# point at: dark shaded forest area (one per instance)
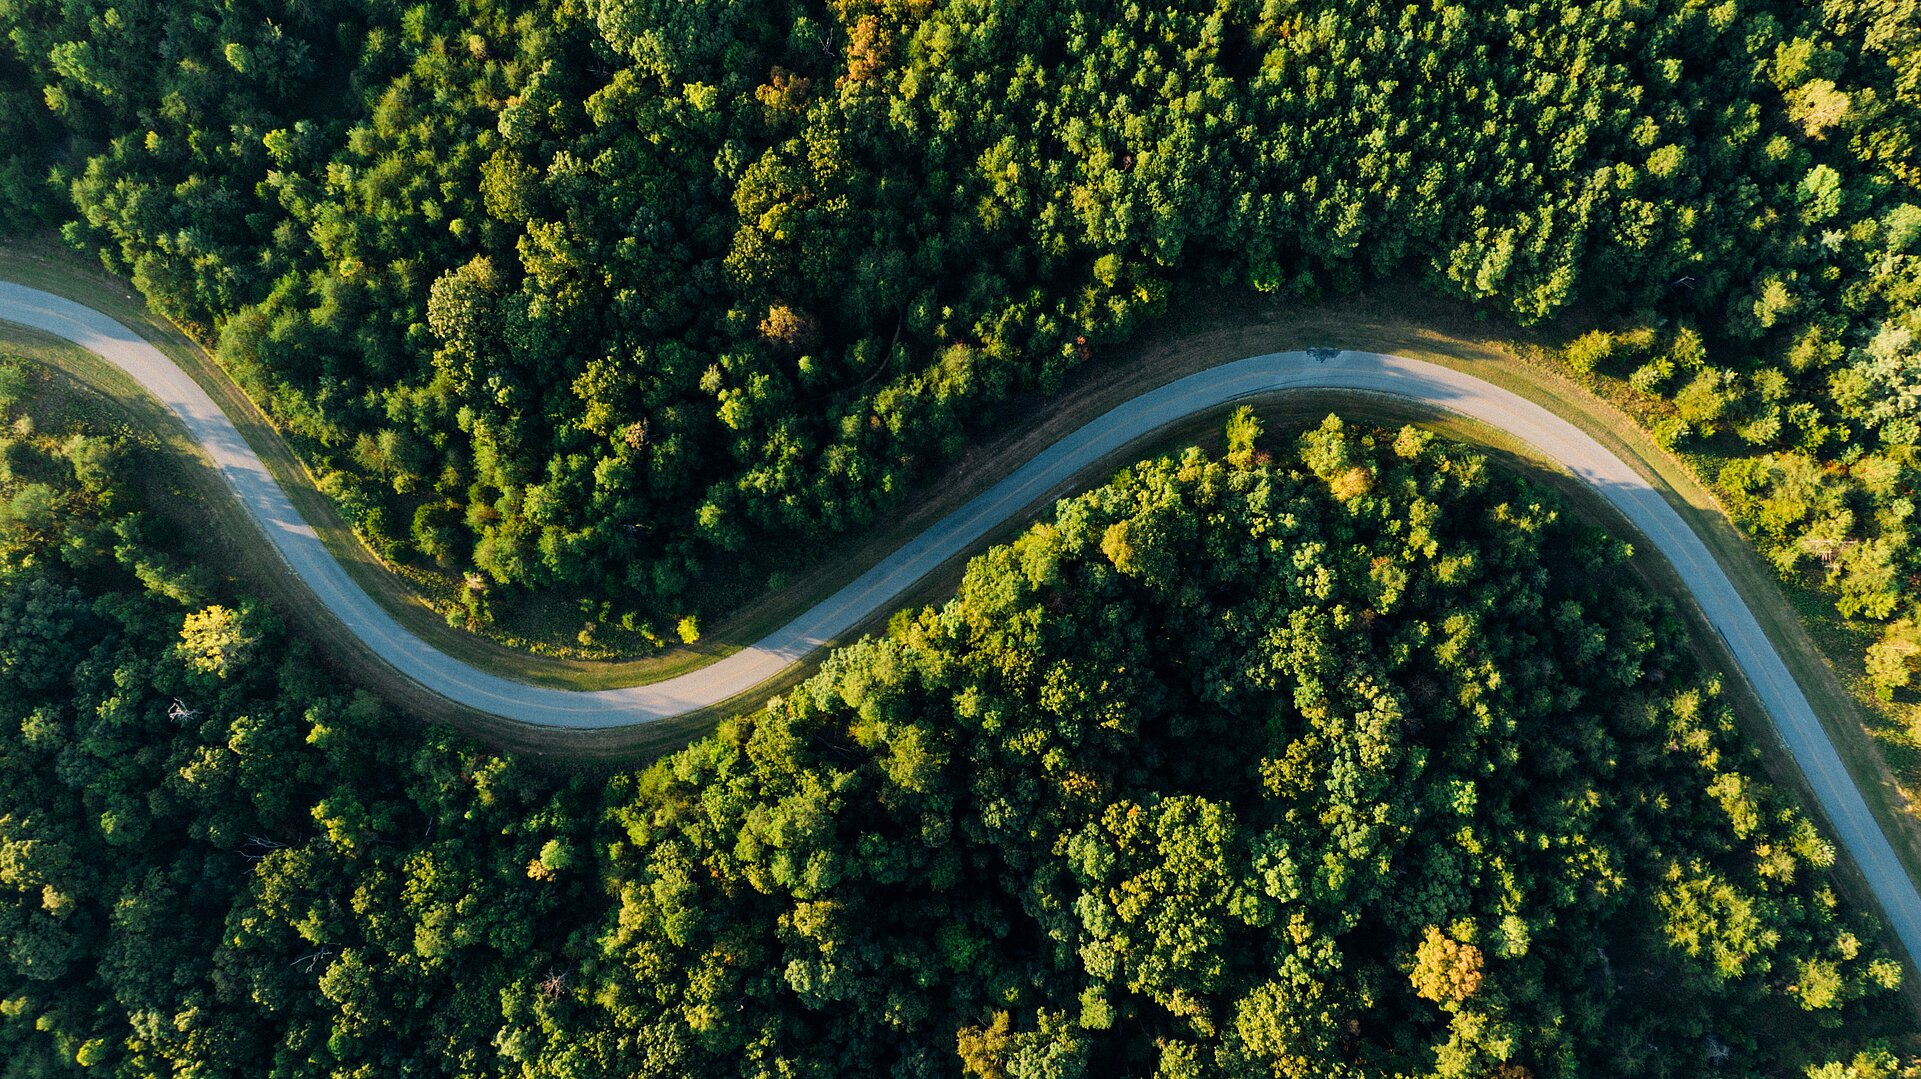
(1427, 792)
(634, 305)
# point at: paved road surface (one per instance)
(1428, 383)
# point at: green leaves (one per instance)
(879, 222)
(1266, 848)
(1185, 780)
(1155, 898)
(1021, 835)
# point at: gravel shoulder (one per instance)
(1709, 587)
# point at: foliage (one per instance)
(215, 639)
(635, 302)
(1418, 798)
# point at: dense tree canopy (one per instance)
(602, 297)
(1415, 796)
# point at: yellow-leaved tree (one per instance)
(214, 640)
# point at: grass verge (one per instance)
(1193, 336)
(1187, 341)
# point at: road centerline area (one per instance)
(300, 547)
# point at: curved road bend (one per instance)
(1327, 369)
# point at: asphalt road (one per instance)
(1255, 376)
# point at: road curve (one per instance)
(1321, 369)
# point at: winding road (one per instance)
(1319, 369)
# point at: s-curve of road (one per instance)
(1318, 369)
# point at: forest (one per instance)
(629, 308)
(1419, 800)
